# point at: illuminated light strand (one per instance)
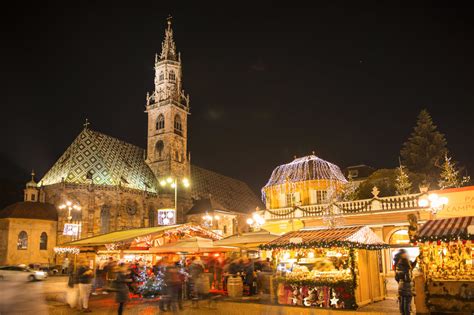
(66, 250)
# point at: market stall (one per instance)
(446, 261)
(329, 268)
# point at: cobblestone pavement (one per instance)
(104, 304)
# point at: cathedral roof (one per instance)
(30, 210)
(104, 160)
(229, 193)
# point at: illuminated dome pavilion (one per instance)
(304, 181)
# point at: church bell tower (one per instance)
(168, 109)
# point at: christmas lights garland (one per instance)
(461, 237)
(324, 244)
(344, 210)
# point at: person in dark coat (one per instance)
(403, 276)
(121, 287)
(248, 268)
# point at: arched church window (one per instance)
(172, 76)
(22, 240)
(159, 147)
(160, 122)
(178, 127)
(104, 219)
(162, 76)
(44, 241)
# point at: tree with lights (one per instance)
(349, 191)
(425, 148)
(402, 181)
(449, 176)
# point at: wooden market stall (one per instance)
(135, 244)
(446, 261)
(330, 268)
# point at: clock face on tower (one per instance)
(131, 209)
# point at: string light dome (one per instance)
(305, 168)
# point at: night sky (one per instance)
(267, 82)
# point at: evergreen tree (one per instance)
(449, 176)
(425, 148)
(402, 181)
(349, 191)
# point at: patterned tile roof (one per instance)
(104, 160)
(232, 194)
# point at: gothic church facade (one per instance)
(116, 183)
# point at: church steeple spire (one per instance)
(168, 47)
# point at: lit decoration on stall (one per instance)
(334, 299)
(113, 246)
(66, 250)
(285, 177)
(189, 229)
(166, 217)
(147, 240)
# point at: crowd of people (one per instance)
(172, 280)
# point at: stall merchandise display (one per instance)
(321, 277)
(446, 260)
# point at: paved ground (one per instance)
(31, 298)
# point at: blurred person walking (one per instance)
(122, 294)
(85, 276)
(404, 278)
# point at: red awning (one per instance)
(446, 229)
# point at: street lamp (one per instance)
(256, 221)
(173, 183)
(433, 203)
(70, 206)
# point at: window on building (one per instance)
(353, 173)
(293, 199)
(22, 240)
(33, 197)
(104, 219)
(172, 76)
(162, 76)
(317, 196)
(44, 241)
(160, 122)
(151, 217)
(178, 127)
(159, 147)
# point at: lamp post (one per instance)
(433, 203)
(256, 221)
(70, 206)
(173, 183)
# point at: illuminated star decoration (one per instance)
(334, 299)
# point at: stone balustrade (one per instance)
(375, 204)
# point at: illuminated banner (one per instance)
(71, 229)
(166, 217)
